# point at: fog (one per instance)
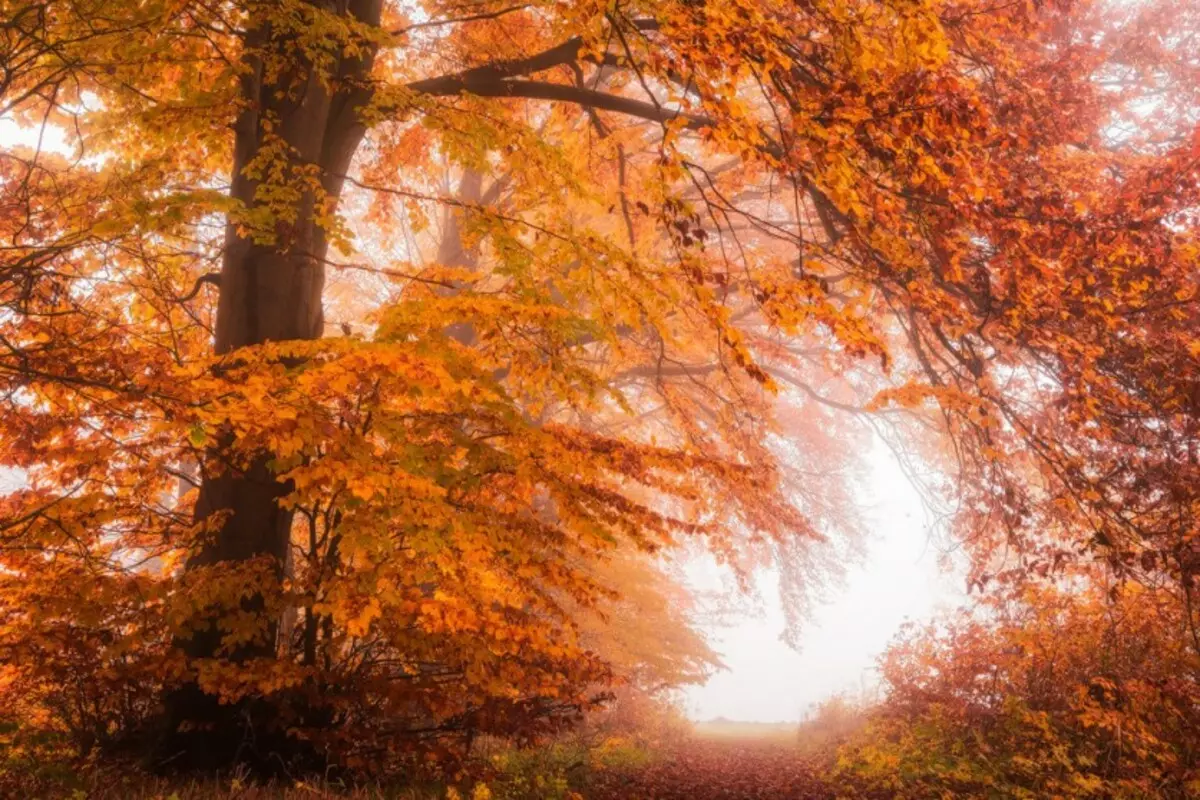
(903, 577)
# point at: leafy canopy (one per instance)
(600, 280)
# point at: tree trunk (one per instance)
(268, 293)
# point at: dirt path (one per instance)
(718, 769)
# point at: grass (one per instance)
(556, 771)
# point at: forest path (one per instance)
(719, 769)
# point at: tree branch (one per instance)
(489, 74)
(213, 277)
(557, 92)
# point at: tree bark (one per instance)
(268, 293)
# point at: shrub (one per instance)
(1057, 694)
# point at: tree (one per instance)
(659, 223)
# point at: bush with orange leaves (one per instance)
(1054, 693)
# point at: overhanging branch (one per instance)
(557, 92)
(562, 54)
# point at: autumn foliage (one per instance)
(365, 366)
(1053, 694)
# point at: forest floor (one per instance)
(719, 768)
(717, 761)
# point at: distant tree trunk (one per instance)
(268, 293)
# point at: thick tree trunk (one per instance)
(268, 292)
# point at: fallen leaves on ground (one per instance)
(718, 769)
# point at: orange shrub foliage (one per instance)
(1060, 692)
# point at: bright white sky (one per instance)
(900, 579)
